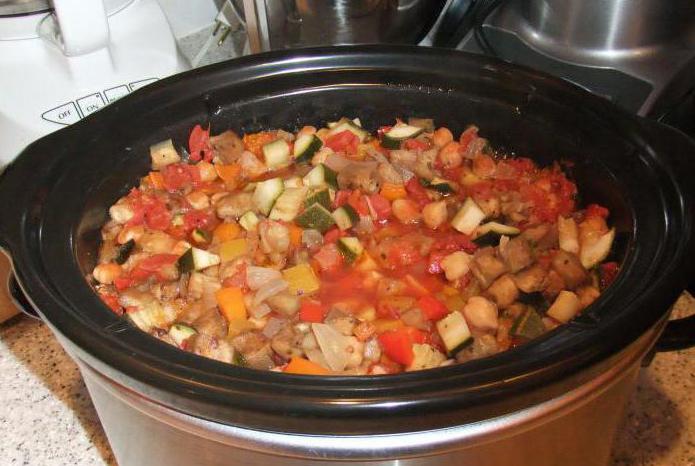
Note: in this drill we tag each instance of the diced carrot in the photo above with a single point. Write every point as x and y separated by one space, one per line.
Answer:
231 302
157 180
305 367
229 174
226 231
295 235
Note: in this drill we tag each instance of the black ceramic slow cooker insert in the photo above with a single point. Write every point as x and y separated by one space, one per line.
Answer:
54 199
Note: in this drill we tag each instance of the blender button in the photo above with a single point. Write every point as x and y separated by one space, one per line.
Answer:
91 103
65 114
115 93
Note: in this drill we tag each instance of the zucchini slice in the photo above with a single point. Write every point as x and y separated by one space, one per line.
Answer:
249 221
289 203
321 176
293 182
306 146
201 236
197 259
181 332
468 217
266 193
393 138
316 217
322 197
439 185
345 217
528 325
276 153
454 331
352 126
591 254
350 247
163 154
490 233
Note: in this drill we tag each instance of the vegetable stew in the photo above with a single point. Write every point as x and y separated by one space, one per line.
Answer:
337 251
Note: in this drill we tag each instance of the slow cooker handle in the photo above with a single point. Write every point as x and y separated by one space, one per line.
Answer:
19 299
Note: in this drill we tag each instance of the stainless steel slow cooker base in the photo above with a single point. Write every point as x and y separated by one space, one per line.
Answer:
575 429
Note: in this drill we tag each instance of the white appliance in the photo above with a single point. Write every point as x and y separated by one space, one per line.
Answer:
64 60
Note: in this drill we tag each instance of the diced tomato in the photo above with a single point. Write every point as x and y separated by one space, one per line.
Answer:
358 202
123 282
381 206
199 144
482 190
595 210
341 198
432 308
332 235
148 209
454 242
345 141
312 311
398 344
417 192
111 301
199 219
403 252
522 165
178 175
329 258
607 274
415 144
152 267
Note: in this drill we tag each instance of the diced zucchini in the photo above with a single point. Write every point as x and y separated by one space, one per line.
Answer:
306 146
249 221
197 259
322 197
289 203
163 154
490 233
345 217
439 185
181 332
200 236
266 193
348 125
565 307
321 176
276 154
591 254
315 217
393 138
468 217
425 357
124 251
350 247
528 325
293 182
454 331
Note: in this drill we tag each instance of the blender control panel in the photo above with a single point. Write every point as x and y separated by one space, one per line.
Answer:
71 112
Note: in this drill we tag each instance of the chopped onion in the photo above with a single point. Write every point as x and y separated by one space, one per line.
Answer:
256 277
260 310
365 225
334 345
316 356
273 326
336 163
271 288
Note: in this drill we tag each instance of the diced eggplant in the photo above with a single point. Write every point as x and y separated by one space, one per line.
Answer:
163 154
124 251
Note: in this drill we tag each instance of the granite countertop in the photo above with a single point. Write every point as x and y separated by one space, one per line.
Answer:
47 418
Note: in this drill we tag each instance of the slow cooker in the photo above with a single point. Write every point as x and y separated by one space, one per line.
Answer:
555 399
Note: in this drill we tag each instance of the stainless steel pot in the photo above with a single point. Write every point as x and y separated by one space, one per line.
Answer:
556 398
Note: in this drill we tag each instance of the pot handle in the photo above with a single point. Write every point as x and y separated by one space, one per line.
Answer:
19 299
679 334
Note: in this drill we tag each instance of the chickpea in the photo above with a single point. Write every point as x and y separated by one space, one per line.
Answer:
484 166
481 313
121 213
199 200
434 214
207 171
442 136
107 273
449 155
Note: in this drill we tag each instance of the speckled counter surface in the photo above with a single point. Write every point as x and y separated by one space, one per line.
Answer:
47 419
